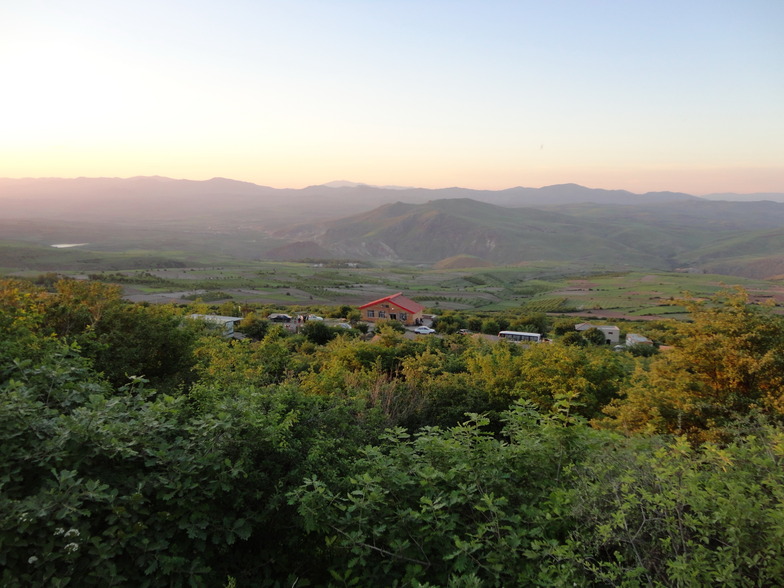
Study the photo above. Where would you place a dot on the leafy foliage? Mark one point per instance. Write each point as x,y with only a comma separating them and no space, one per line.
445,506
667,514
132,489
137,449
726,362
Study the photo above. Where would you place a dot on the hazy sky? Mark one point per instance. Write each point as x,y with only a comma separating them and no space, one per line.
683,95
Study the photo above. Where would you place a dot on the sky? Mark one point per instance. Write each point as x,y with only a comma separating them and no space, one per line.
643,95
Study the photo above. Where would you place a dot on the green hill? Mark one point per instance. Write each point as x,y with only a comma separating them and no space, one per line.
719,237
447,228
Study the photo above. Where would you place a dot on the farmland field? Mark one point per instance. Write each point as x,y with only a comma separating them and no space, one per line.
172,276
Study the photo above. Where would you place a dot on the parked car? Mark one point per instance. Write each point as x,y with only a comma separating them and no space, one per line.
424,330
344,326
279,318
315,317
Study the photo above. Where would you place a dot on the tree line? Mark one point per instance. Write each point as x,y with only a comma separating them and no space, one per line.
141,448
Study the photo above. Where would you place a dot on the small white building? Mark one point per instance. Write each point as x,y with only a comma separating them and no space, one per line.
612,334
224,323
635,339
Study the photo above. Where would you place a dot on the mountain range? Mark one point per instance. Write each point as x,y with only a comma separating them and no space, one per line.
564,223
159,199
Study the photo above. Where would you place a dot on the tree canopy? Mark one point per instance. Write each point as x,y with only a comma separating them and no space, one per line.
140,449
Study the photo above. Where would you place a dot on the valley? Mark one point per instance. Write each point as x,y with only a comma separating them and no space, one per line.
131,421
566,249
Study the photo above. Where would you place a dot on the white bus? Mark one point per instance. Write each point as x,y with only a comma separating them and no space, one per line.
520,336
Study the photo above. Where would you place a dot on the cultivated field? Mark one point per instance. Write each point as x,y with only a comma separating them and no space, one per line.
541,287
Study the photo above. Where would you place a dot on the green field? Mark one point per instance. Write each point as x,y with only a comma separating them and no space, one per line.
178,276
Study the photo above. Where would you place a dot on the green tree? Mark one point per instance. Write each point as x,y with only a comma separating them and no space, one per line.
594,336
590,377
564,326
254,326
642,350
396,326
318,332
725,363
490,327
536,322
78,305
652,512
343,311
448,323
229,308
574,338
222,366
495,368
475,324
103,487
22,314
154,342
456,507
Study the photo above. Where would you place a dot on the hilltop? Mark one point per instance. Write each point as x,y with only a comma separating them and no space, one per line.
714,236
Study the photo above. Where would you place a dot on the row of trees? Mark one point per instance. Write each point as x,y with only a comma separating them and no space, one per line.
139,448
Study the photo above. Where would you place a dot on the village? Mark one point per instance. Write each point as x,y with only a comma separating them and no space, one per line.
411,317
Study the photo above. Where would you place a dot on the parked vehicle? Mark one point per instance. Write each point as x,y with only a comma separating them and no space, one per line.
520,336
424,330
279,317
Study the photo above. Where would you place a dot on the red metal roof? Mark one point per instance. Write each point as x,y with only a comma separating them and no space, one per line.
400,301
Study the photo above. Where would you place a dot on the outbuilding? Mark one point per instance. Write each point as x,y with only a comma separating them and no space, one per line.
635,339
224,323
612,334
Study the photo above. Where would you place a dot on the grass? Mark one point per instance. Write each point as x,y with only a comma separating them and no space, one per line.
533,286
638,293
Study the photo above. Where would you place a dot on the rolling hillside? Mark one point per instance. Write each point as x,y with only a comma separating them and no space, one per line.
217,218
431,232
711,236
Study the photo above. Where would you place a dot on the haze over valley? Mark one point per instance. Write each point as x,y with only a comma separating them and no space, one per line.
450,227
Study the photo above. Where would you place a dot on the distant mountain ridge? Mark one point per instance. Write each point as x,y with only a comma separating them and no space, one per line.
348,184
564,223
160,199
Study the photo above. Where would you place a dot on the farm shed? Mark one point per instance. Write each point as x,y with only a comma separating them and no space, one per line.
612,334
635,339
224,323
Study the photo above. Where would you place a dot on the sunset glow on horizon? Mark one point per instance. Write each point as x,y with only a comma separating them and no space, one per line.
672,96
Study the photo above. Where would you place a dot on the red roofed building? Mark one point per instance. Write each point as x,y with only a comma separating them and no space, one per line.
395,307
